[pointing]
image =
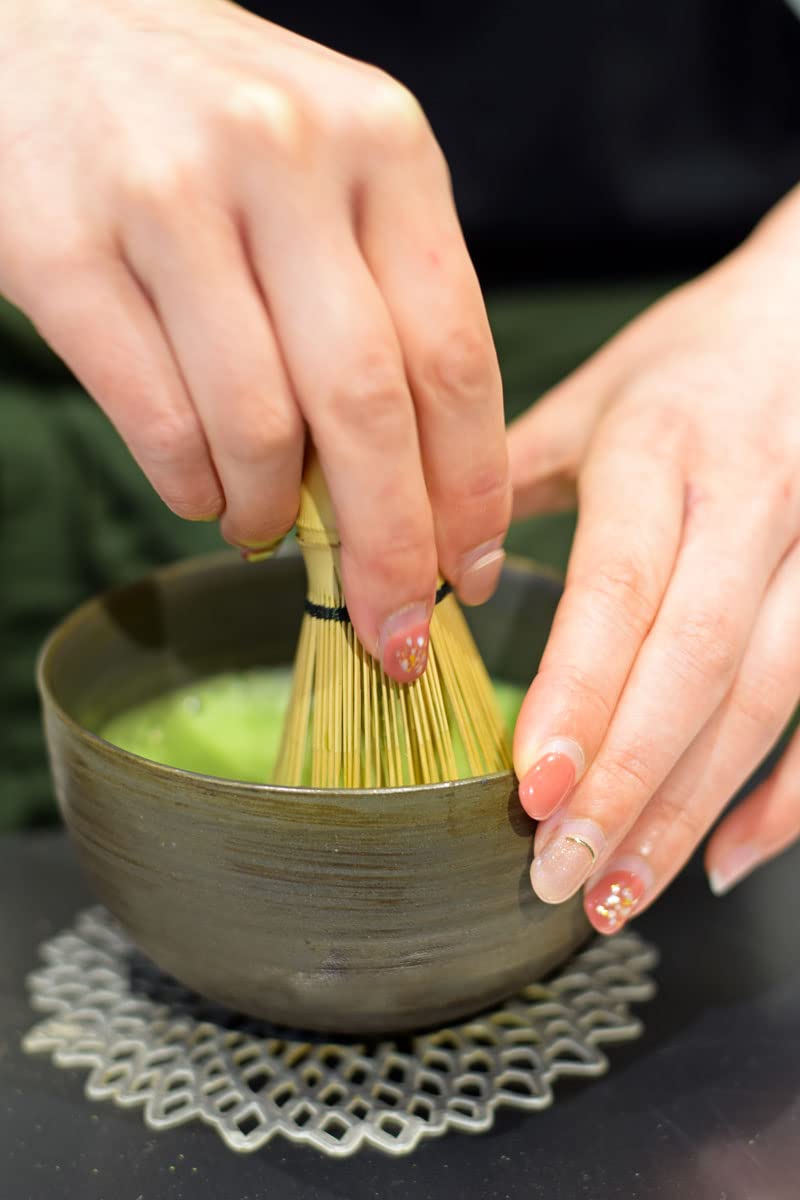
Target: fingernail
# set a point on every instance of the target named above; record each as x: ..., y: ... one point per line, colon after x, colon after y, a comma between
x: 403, y: 642
x: 206, y: 517
x: 254, y: 552
x: 611, y: 901
x: 551, y: 778
x: 567, y: 860
x: 480, y: 572
x: 735, y: 865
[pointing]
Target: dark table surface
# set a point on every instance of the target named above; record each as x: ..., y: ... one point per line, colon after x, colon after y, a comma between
x: 706, y: 1105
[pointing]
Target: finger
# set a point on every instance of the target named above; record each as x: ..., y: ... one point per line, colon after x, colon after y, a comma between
x: 764, y: 824
x: 348, y: 373
x: 195, y: 268
x: 628, y: 533
x: 100, y: 322
x: 681, y: 675
x: 413, y: 244
x: 731, y: 746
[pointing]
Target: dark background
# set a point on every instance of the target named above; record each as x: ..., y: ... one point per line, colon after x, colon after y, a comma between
x: 591, y: 137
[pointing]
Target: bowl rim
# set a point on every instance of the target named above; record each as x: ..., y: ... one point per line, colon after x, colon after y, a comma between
x: 220, y: 783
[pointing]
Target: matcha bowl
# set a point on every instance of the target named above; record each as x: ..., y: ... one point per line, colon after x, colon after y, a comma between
x: 352, y: 912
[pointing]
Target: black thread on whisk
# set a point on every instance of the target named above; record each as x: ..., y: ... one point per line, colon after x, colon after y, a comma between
x: 323, y: 612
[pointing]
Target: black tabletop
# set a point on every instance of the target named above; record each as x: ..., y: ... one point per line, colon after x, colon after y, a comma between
x: 706, y: 1105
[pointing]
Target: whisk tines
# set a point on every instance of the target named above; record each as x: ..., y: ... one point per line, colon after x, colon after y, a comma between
x: 348, y: 723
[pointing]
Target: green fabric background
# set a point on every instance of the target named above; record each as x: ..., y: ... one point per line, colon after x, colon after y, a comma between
x: 76, y: 515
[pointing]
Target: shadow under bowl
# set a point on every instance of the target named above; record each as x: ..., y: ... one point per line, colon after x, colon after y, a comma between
x: 355, y: 912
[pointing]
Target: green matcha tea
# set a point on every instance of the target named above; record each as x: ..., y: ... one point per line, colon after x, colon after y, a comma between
x: 229, y: 725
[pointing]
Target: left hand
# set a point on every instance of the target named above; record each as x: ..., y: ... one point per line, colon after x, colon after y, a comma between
x: 674, y: 660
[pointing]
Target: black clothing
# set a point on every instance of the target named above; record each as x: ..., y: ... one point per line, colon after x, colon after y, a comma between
x: 595, y: 136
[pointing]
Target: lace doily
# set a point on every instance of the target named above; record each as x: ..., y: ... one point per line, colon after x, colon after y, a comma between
x: 149, y: 1042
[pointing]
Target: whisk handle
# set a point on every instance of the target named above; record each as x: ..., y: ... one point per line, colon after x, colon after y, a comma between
x: 316, y: 522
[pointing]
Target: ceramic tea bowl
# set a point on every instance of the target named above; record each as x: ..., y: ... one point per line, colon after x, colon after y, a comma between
x: 356, y: 912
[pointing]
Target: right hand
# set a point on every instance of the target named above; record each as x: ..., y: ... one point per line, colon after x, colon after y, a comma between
x: 232, y: 234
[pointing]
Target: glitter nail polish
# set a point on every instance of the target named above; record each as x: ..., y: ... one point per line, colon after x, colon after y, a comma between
x: 404, y: 643
x: 567, y: 861
x: 611, y: 902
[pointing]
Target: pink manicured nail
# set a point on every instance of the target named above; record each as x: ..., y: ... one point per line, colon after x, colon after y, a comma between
x: 403, y: 642
x: 551, y: 778
x: 611, y: 902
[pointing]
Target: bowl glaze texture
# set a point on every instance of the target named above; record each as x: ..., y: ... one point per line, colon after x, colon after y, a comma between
x: 354, y: 912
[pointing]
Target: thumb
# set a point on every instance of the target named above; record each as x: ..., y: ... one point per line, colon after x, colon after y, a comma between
x: 548, y: 442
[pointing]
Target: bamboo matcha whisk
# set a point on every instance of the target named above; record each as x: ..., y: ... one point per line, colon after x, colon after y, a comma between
x: 349, y: 724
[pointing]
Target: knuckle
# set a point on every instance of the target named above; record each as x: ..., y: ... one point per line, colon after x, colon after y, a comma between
x: 266, y: 114
x: 623, y: 584
x: 589, y: 698
x: 706, y: 644
x: 173, y: 440
x: 478, y: 502
x: 678, y: 820
x: 164, y: 183
x: 370, y: 399
x: 275, y: 435
x: 406, y: 551
x: 758, y: 701
x: 667, y: 432
x: 654, y: 410
x: 174, y: 456
x: 52, y: 274
x: 390, y: 113
x: 669, y: 388
x: 71, y: 255
x: 625, y: 770
x: 461, y: 370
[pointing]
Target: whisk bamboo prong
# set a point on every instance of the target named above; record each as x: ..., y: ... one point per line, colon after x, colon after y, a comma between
x: 348, y: 723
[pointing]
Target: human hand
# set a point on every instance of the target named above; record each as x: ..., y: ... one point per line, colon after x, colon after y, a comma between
x: 674, y: 660
x: 230, y: 234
